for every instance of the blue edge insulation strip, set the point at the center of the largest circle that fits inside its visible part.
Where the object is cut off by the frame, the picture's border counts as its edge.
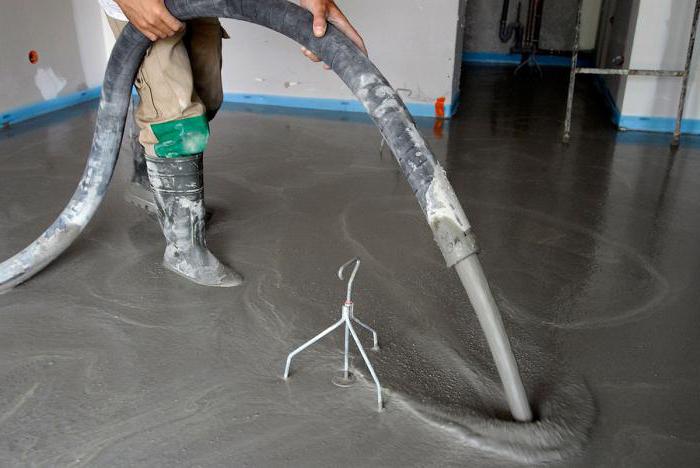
(627, 122)
(22, 113)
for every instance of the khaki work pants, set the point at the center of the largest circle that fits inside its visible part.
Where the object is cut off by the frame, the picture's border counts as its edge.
(180, 77)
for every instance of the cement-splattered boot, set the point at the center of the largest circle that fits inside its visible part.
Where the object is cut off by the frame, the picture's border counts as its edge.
(178, 192)
(138, 192)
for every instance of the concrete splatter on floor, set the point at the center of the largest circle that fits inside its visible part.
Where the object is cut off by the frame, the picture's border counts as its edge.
(107, 359)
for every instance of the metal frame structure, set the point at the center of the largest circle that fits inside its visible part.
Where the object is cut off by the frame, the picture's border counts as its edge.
(347, 318)
(683, 74)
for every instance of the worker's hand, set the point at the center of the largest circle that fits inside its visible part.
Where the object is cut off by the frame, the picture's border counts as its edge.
(326, 11)
(151, 18)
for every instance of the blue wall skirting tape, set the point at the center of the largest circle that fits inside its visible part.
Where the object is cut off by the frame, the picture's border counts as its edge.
(643, 123)
(349, 105)
(19, 114)
(658, 124)
(628, 122)
(497, 58)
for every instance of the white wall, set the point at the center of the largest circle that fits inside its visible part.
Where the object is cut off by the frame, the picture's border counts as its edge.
(590, 16)
(413, 43)
(49, 27)
(660, 41)
(90, 30)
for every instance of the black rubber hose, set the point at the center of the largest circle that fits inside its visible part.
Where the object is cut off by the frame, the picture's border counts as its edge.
(109, 127)
(427, 179)
(381, 101)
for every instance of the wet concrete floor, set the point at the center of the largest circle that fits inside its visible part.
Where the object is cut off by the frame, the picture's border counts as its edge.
(107, 359)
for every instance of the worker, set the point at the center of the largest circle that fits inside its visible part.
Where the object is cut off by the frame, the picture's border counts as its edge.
(180, 91)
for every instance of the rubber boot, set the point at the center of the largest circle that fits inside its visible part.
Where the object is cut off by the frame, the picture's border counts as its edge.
(138, 192)
(177, 185)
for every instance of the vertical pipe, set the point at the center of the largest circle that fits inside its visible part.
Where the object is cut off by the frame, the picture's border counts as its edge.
(347, 338)
(527, 43)
(537, 25)
(684, 85)
(503, 33)
(572, 77)
(474, 281)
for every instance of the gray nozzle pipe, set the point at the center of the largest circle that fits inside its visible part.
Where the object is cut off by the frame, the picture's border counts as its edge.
(425, 176)
(474, 281)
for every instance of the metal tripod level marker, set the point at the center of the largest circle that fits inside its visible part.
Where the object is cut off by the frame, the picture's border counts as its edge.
(347, 318)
